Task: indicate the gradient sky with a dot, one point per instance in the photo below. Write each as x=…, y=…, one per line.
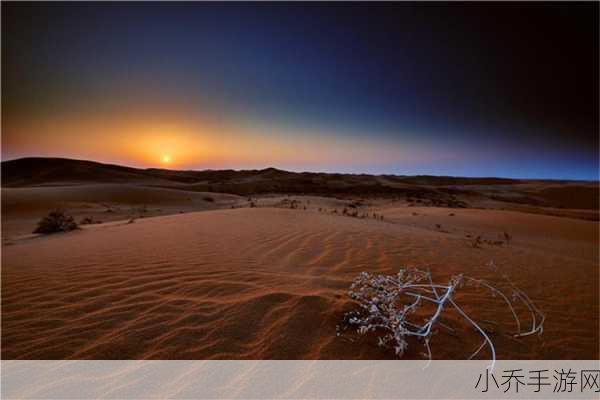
x=465, y=89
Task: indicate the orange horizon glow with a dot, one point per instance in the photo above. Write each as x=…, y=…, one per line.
x=176, y=142
x=377, y=90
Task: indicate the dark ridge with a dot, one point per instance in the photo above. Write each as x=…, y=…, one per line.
x=42, y=171
x=436, y=190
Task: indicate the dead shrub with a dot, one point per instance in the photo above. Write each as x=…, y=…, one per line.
x=410, y=304
x=56, y=221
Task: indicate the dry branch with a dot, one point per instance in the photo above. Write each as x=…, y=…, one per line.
x=394, y=305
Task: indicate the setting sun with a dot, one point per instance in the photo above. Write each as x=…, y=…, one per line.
x=166, y=159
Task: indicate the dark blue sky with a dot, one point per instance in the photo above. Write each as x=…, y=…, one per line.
x=458, y=89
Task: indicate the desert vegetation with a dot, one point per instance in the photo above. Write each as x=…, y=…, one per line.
x=410, y=305
x=56, y=221
x=479, y=241
x=89, y=221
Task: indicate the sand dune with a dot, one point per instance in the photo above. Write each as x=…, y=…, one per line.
x=528, y=195
x=171, y=268
x=271, y=283
x=23, y=207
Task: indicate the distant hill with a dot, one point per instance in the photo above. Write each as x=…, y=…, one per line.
x=438, y=190
x=43, y=171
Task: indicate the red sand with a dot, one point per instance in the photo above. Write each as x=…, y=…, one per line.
x=271, y=283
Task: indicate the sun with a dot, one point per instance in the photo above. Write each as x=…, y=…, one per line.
x=166, y=158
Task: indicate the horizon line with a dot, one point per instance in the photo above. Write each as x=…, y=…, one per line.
x=299, y=172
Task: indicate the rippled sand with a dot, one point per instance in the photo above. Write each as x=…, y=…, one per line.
x=271, y=283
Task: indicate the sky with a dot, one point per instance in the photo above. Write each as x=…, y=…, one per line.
x=462, y=89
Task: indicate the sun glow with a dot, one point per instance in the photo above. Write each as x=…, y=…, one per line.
x=166, y=159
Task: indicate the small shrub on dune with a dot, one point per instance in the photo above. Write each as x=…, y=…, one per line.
x=209, y=199
x=89, y=221
x=56, y=221
x=477, y=242
x=86, y=221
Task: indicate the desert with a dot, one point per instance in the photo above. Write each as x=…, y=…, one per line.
x=258, y=264
x=388, y=184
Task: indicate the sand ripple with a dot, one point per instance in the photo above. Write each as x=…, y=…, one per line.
x=261, y=284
